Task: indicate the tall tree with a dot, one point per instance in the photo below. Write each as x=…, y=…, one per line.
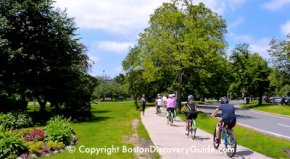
x=280, y=52
x=180, y=44
x=46, y=56
x=251, y=72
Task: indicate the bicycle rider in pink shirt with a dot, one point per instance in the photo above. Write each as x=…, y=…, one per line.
x=170, y=104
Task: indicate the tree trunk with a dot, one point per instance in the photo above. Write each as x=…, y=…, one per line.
x=218, y=99
x=178, y=92
x=23, y=103
x=260, y=98
x=42, y=104
x=203, y=98
x=247, y=100
x=178, y=99
x=136, y=102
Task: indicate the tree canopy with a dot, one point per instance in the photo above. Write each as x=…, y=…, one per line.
x=250, y=72
x=179, y=49
x=42, y=54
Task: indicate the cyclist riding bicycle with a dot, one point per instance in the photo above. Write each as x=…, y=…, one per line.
x=170, y=104
x=228, y=118
x=158, y=104
x=190, y=109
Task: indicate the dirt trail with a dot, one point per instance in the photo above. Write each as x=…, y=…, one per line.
x=139, y=142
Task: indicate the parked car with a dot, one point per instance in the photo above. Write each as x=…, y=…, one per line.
x=287, y=100
x=277, y=100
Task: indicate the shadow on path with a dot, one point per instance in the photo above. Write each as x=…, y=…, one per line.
x=244, y=153
x=176, y=125
x=200, y=138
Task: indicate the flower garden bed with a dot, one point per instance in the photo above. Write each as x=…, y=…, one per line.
x=54, y=138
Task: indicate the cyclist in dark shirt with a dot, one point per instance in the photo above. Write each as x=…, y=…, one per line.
x=228, y=118
x=190, y=108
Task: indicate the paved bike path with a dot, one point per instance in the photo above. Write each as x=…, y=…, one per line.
x=172, y=143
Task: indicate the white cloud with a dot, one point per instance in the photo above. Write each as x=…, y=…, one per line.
x=113, y=46
x=125, y=16
x=275, y=4
x=261, y=46
x=94, y=58
x=241, y=38
x=285, y=28
x=222, y=6
x=256, y=45
x=116, y=16
x=240, y=20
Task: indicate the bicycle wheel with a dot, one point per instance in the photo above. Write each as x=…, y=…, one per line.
x=231, y=145
x=188, y=129
x=193, y=129
x=215, y=145
x=158, y=111
x=171, y=117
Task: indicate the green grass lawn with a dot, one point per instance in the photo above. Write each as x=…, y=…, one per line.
x=256, y=141
x=112, y=127
x=269, y=107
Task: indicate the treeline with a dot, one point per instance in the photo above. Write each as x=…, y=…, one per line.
x=112, y=90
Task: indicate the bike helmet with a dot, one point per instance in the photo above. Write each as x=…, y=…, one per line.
x=224, y=100
x=190, y=97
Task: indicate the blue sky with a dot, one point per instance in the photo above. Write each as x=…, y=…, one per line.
x=109, y=27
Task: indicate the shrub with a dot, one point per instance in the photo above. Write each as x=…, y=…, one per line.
x=34, y=135
x=8, y=121
x=10, y=145
x=55, y=145
x=15, y=120
x=23, y=120
x=58, y=129
x=34, y=147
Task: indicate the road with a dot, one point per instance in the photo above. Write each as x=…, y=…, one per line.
x=172, y=143
x=263, y=122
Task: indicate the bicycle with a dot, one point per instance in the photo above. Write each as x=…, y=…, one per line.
x=229, y=138
x=170, y=117
x=192, y=129
x=158, y=110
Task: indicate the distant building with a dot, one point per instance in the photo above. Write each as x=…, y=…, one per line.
x=107, y=79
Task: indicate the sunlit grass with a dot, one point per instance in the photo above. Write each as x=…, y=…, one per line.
x=110, y=129
x=269, y=107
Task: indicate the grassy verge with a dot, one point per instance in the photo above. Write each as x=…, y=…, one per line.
x=269, y=107
x=256, y=141
x=111, y=128
x=142, y=132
